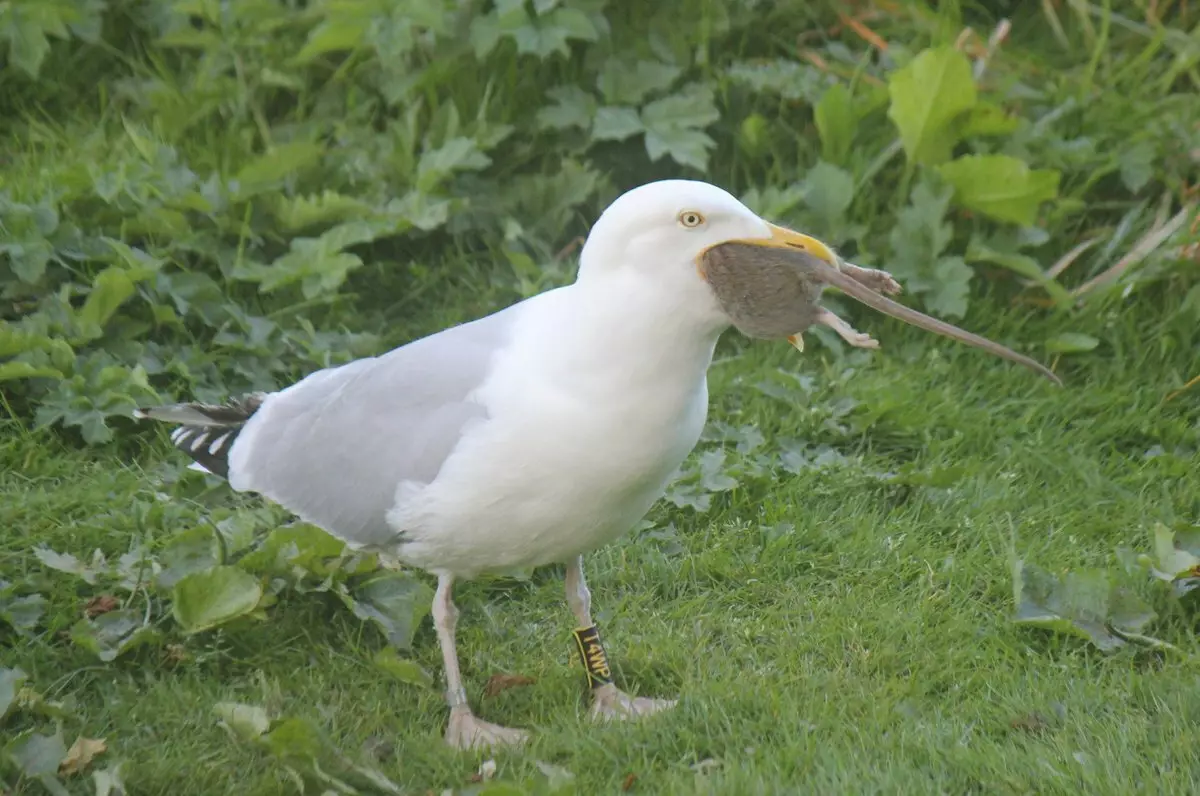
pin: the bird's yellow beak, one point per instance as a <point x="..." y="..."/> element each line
<point x="784" y="238"/>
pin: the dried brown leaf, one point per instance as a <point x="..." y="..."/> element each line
<point x="502" y="682"/>
<point x="101" y="604"/>
<point x="81" y="754"/>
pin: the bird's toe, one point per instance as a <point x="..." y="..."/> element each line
<point x="612" y="703"/>
<point x="467" y="731"/>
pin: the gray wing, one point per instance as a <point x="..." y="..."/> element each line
<point x="333" y="447"/>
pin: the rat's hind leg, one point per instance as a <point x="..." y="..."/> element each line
<point x="846" y="331"/>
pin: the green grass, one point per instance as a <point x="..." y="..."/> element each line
<point x="839" y="628"/>
<point x="868" y="650"/>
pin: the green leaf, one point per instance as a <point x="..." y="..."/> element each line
<point x="625" y="82"/>
<point x="27" y="42"/>
<point x="615" y="123"/>
<point x="404" y="670"/>
<point x="986" y="119"/>
<point x="1085" y="604"/>
<point x="111" y="288"/>
<point x="1176" y="556"/>
<point x="65" y="562"/>
<point x="828" y="191"/>
<point x="37" y="755"/>
<point x="11" y="681"/>
<point x="204" y="600"/>
<point x="268" y="170"/>
<point x="297" y="739"/>
<point x="978" y="251"/>
<point x="836" y="121"/>
<point x="1071" y="343"/>
<point x="194" y="550"/>
<point x="10" y="371"/>
<point x="338" y="32"/>
<point x="927" y="96"/>
<point x="396" y="601"/>
<point x="573" y="107"/>
<point x="246" y="722"/>
<point x="114" y="633"/>
<point x="301" y="546"/>
<point x="1000" y="186"/>
<point x="22" y="613"/>
<point x="456" y="155"/>
<point x="674" y="126"/>
<point x="1137" y="165"/>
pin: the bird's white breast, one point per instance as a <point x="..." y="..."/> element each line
<point x="578" y="443"/>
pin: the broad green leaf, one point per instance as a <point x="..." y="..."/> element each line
<point x="22" y="613"/>
<point x="404" y="670"/>
<point x="65" y="562"/>
<point x="11" y="681"/>
<point x="828" y="192"/>
<point x="247" y="722"/>
<point x="114" y="633"/>
<point x="836" y="121"/>
<point x="979" y="251"/>
<point x="1137" y="165"/>
<point x="573" y="107"/>
<point x="204" y="600"/>
<point x="1000" y="186"/>
<point x="986" y="119"/>
<point x="396" y="601"/>
<point x="38" y="756"/>
<point x="15" y="341"/>
<point x="457" y="154"/>
<point x="191" y="551"/>
<point x="625" y="82"/>
<point x="1174" y="557"/>
<point x="1071" y="343"/>
<point x="269" y="169"/>
<point x="338" y="32"/>
<point x="303" y="546"/>
<point x="615" y="123"/>
<point x="110" y="290"/>
<point x="788" y="79"/>
<point x="296" y="738"/>
<point x="674" y="126"/>
<point x="1084" y="604"/>
<point x="10" y="371"/>
<point x="927" y="97"/>
<point x="27" y="42"/>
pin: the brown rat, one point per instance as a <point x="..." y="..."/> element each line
<point x="774" y="292"/>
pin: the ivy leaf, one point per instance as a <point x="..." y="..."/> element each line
<point x="788" y="79"/>
<point x="25" y="26"/>
<point x="927" y="96"/>
<point x="615" y="123"/>
<point x="1000" y="186"/>
<point x="573" y="107"/>
<point x="204" y="600"/>
<point x="623" y="82"/>
<point x="674" y="126"/>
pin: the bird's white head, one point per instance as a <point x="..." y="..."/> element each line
<point x="658" y="234"/>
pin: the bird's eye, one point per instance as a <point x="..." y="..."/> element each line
<point x="691" y="219"/>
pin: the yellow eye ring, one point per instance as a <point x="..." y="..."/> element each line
<point x="691" y="219"/>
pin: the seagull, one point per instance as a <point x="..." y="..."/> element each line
<point x="527" y="437"/>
